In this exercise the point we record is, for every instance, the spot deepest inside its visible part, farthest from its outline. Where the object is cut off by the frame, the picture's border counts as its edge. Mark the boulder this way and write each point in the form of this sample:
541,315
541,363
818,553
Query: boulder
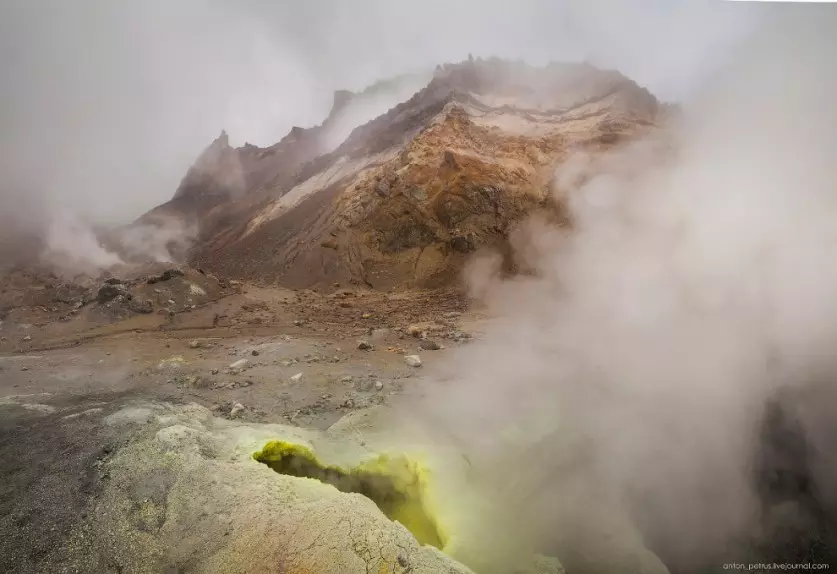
109,292
142,306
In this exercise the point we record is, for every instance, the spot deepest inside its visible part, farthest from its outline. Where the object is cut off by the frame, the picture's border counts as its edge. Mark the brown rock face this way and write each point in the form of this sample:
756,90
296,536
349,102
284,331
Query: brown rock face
217,173
408,197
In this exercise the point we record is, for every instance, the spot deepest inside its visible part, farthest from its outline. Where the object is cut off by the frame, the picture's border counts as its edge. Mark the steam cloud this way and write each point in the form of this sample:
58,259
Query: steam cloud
622,387
73,246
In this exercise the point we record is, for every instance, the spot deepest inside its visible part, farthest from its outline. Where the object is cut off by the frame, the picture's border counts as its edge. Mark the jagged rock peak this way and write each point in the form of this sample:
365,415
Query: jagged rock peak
216,172
219,147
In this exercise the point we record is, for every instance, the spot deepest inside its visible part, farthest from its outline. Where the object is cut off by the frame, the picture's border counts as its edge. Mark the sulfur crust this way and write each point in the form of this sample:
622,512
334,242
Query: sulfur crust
397,484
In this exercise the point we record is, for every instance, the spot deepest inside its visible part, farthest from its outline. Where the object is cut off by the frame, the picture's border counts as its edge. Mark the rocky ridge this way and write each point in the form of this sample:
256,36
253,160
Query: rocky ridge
408,197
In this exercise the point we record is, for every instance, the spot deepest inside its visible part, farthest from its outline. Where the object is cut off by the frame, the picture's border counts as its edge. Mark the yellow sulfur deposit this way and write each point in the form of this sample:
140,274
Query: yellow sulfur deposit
397,485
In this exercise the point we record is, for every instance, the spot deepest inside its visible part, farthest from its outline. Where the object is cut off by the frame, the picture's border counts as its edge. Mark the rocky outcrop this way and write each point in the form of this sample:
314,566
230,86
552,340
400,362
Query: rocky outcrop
217,174
188,491
409,196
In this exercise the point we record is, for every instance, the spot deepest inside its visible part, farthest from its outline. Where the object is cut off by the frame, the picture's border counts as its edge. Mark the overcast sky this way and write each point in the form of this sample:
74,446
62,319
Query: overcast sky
105,104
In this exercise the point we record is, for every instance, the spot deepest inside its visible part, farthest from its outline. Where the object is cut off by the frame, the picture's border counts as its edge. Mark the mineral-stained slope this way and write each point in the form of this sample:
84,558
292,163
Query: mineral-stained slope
410,195
186,494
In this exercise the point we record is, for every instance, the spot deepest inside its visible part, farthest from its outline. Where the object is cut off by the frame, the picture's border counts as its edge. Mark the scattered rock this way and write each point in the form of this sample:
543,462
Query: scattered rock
429,345
413,360
414,330
214,371
165,276
194,382
254,352
296,378
114,281
379,386
365,385
143,306
236,411
364,346
195,344
463,243
170,274
73,295
233,385
27,338
109,292
300,322
239,364
346,379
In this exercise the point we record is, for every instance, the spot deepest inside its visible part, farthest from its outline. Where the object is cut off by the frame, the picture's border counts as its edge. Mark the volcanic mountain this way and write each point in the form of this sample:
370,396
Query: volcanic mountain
406,198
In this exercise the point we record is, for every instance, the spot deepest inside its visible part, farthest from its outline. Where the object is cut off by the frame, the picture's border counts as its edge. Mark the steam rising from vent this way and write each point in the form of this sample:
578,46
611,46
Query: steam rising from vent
636,363
73,246
165,241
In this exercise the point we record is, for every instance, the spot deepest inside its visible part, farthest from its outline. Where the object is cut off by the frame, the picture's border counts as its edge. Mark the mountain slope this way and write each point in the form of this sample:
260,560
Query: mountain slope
408,196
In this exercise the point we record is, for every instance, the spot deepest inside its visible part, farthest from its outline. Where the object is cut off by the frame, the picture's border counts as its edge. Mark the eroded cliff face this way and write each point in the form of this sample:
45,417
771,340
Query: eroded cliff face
409,196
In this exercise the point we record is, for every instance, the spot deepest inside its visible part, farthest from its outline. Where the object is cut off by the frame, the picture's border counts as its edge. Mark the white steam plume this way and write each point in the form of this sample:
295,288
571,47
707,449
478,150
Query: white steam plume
634,367
165,241
71,246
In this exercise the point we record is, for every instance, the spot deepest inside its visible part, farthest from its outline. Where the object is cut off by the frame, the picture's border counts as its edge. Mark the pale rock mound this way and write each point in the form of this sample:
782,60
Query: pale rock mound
188,494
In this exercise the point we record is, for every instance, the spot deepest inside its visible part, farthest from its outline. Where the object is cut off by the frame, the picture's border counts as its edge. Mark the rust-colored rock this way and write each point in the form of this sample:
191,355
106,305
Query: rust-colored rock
408,197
